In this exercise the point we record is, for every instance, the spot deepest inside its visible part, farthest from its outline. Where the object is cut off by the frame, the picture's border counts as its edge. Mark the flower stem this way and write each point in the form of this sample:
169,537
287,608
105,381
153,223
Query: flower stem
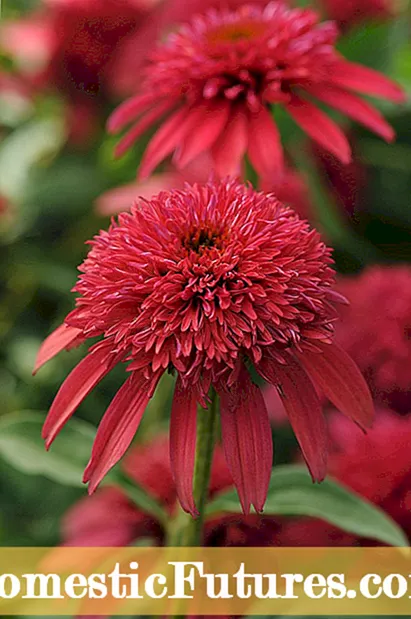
192,528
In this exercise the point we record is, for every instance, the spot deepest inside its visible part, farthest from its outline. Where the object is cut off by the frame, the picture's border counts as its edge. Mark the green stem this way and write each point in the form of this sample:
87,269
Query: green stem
189,530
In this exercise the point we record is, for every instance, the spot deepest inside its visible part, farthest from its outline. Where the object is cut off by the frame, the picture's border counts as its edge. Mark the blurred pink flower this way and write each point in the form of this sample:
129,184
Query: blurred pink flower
200,281
376,465
126,72
214,82
375,330
70,44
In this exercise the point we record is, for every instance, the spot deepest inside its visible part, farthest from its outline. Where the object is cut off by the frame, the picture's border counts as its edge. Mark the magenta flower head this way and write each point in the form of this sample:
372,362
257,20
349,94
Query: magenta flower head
207,282
218,78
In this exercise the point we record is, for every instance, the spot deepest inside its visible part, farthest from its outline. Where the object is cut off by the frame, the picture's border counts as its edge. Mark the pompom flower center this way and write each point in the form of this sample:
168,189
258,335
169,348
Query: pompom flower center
232,33
203,238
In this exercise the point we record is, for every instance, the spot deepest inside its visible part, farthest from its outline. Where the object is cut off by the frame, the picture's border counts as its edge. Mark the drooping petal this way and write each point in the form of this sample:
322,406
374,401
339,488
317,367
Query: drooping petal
303,408
355,108
264,145
140,127
341,381
204,135
247,440
85,376
63,337
320,128
117,428
365,80
167,138
128,111
183,431
229,149
121,198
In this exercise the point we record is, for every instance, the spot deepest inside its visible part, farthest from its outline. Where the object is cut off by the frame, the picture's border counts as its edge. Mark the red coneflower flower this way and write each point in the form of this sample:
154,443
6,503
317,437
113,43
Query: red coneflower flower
219,77
375,331
206,281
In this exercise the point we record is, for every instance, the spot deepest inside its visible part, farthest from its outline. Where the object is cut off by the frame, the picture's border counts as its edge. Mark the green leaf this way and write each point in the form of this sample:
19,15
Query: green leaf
370,44
22,447
292,493
139,496
25,147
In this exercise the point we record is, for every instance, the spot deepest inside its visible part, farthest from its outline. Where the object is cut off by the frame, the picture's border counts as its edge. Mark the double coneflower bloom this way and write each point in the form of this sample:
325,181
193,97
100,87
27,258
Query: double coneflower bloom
215,83
208,282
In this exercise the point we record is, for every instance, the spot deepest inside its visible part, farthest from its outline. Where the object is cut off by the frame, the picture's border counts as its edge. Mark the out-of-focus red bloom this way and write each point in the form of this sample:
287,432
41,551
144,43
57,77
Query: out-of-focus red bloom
125,77
351,12
70,44
375,331
204,281
90,522
218,77
376,465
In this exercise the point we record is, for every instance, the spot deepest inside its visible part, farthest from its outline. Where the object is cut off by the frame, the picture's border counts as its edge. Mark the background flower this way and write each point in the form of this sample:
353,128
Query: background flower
70,45
376,465
375,330
220,75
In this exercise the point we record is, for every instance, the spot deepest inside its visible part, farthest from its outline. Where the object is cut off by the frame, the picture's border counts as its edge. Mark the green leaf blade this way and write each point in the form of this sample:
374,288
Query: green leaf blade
292,493
22,447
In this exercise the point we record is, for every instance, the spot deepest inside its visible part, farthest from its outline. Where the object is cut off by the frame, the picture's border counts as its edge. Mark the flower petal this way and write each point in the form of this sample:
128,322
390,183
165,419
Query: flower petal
303,408
170,134
230,148
183,432
363,79
341,381
117,428
63,337
209,128
320,128
355,108
140,127
264,145
85,376
247,440
128,111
